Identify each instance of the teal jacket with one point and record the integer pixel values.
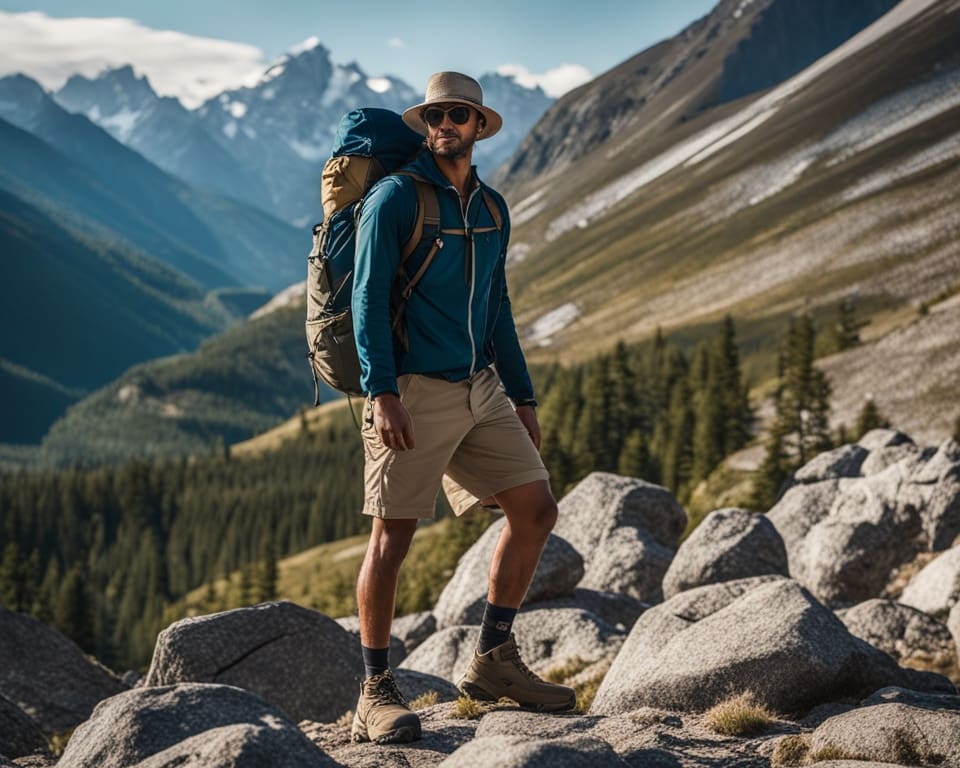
(458, 318)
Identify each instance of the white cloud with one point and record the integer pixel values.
(188, 67)
(396, 42)
(555, 82)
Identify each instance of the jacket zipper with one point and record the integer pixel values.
(473, 279)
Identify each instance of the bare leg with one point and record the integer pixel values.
(377, 582)
(531, 513)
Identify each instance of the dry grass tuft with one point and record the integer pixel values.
(830, 752)
(790, 751)
(58, 742)
(346, 720)
(738, 716)
(425, 699)
(466, 708)
(587, 691)
(563, 672)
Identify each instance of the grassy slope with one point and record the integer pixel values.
(687, 248)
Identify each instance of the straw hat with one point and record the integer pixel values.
(453, 88)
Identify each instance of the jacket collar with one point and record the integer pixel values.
(424, 165)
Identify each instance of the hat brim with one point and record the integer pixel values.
(494, 122)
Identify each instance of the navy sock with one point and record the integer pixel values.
(375, 660)
(495, 627)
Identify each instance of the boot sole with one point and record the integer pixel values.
(401, 735)
(477, 693)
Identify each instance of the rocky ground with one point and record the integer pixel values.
(762, 640)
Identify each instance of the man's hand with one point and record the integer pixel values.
(393, 422)
(528, 417)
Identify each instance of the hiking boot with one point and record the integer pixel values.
(382, 714)
(500, 672)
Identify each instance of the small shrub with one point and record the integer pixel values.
(790, 751)
(424, 700)
(738, 716)
(470, 709)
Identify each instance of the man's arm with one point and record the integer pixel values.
(511, 365)
(384, 224)
(375, 266)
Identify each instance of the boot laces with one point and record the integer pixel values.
(385, 691)
(513, 656)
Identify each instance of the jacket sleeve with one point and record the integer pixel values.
(380, 232)
(511, 365)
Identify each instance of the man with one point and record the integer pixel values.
(435, 406)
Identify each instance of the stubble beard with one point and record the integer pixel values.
(452, 150)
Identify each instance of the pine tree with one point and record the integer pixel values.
(803, 395)
(869, 418)
(773, 471)
(847, 330)
(634, 460)
(12, 586)
(73, 613)
(801, 426)
(678, 453)
(266, 576)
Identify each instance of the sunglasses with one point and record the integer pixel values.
(433, 116)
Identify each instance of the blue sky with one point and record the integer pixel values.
(402, 39)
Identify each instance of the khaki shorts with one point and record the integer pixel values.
(467, 435)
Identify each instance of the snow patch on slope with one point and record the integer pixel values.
(550, 324)
(121, 124)
(944, 151)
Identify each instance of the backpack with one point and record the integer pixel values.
(370, 143)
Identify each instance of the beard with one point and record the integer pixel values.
(458, 147)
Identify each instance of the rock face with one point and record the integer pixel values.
(855, 513)
(19, 735)
(909, 635)
(572, 751)
(775, 640)
(620, 611)
(728, 544)
(625, 529)
(462, 600)
(546, 637)
(414, 628)
(47, 675)
(939, 483)
(936, 588)
(297, 659)
(893, 732)
(208, 726)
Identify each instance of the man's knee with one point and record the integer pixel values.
(532, 509)
(545, 515)
(390, 539)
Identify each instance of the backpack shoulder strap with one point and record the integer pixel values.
(428, 213)
(493, 207)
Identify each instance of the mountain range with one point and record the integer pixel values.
(267, 143)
